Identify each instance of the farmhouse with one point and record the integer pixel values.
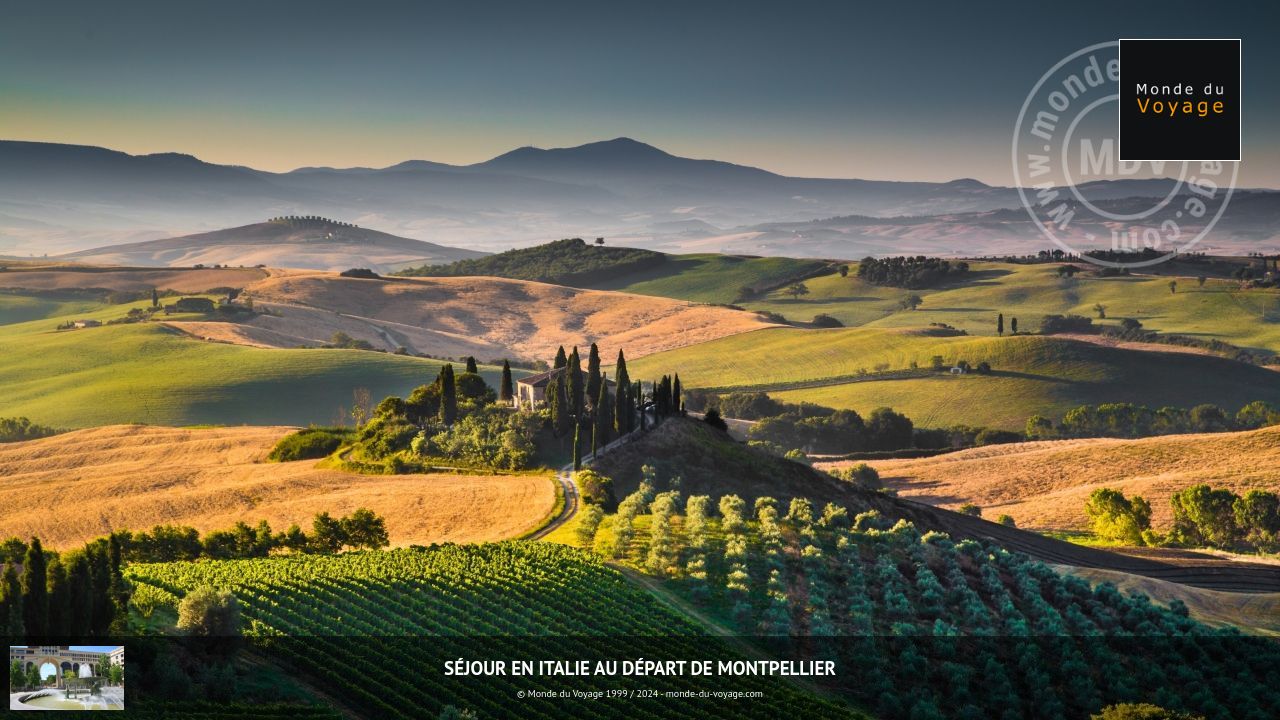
(191, 304)
(531, 390)
(88, 323)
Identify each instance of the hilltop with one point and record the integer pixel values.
(312, 243)
(210, 478)
(1045, 484)
(563, 262)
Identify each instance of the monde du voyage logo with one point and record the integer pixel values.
(1163, 114)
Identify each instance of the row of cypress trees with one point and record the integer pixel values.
(79, 594)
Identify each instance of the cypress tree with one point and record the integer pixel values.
(102, 605)
(35, 591)
(677, 400)
(1000, 324)
(604, 419)
(59, 597)
(471, 365)
(558, 405)
(505, 390)
(637, 403)
(644, 417)
(593, 373)
(561, 361)
(155, 298)
(11, 602)
(448, 395)
(1013, 326)
(577, 446)
(576, 386)
(622, 407)
(80, 586)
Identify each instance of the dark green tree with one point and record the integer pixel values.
(35, 591)
(1013, 326)
(155, 298)
(561, 360)
(448, 395)
(593, 373)
(603, 418)
(11, 603)
(505, 390)
(577, 446)
(575, 385)
(1000, 324)
(102, 605)
(677, 397)
(623, 403)
(80, 586)
(59, 597)
(471, 365)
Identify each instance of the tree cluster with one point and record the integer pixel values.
(910, 272)
(80, 593)
(362, 529)
(1126, 420)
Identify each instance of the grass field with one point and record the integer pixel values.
(1249, 318)
(1044, 485)
(154, 374)
(71, 488)
(711, 278)
(24, 308)
(1031, 374)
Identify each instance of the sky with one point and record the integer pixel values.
(899, 91)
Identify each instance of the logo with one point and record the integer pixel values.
(1082, 196)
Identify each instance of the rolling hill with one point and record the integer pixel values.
(487, 317)
(1031, 374)
(311, 244)
(1044, 485)
(80, 485)
(152, 373)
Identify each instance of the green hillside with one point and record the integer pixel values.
(23, 308)
(1248, 318)
(1031, 374)
(711, 278)
(375, 629)
(150, 373)
(564, 262)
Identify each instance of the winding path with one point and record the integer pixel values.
(565, 478)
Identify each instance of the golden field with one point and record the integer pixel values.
(73, 487)
(1044, 485)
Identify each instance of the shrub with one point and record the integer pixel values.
(712, 418)
(823, 320)
(1051, 324)
(209, 612)
(309, 444)
(594, 488)
(970, 509)
(1115, 517)
(992, 436)
(1006, 520)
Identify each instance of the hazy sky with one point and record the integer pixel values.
(877, 90)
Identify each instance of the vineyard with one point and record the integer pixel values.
(375, 629)
(924, 627)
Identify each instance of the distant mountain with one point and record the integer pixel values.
(65, 198)
(316, 244)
